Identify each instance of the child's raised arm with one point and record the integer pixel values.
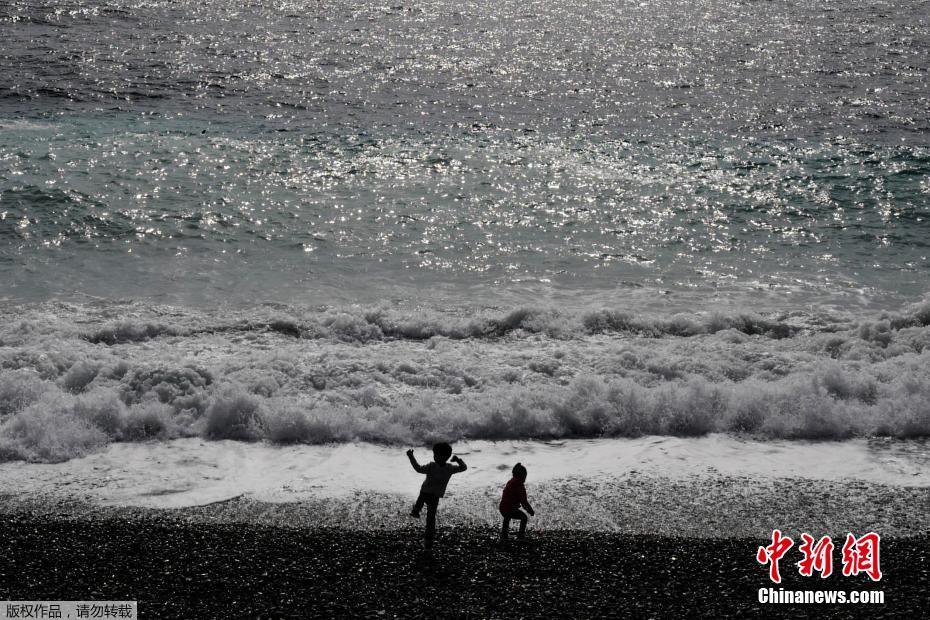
(413, 461)
(462, 465)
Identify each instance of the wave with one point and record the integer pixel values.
(74, 378)
(383, 325)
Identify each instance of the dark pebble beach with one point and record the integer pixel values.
(180, 569)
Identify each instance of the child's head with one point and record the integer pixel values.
(519, 472)
(441, 452)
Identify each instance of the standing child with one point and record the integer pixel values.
(513, 498)
(437, 477)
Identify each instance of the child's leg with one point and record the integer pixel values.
(520, 516)
(418, 505)
(431, 504)
(505, 529)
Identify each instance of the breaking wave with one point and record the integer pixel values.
(74, 378)
(380, 325)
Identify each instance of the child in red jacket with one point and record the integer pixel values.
(513, 498)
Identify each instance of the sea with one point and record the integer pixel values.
(399, 222)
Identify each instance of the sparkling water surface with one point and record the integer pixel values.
(670, 152)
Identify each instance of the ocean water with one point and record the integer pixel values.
(398, 222)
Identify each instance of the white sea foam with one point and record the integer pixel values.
(74, 378)
(713, 486)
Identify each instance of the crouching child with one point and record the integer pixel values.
(513, 498)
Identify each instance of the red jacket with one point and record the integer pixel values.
(514, 496)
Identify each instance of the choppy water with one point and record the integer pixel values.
(205, 151)
(462, 160)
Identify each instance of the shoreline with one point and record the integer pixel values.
(713, 487)
(175, 568)
(699, 506)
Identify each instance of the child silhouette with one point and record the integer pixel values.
(513, 498)
(437, 477)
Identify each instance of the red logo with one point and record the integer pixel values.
(817, 557)
(773, 553)
(860, 555)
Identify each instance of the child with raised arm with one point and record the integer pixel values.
(513, 498)
(437, 477)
